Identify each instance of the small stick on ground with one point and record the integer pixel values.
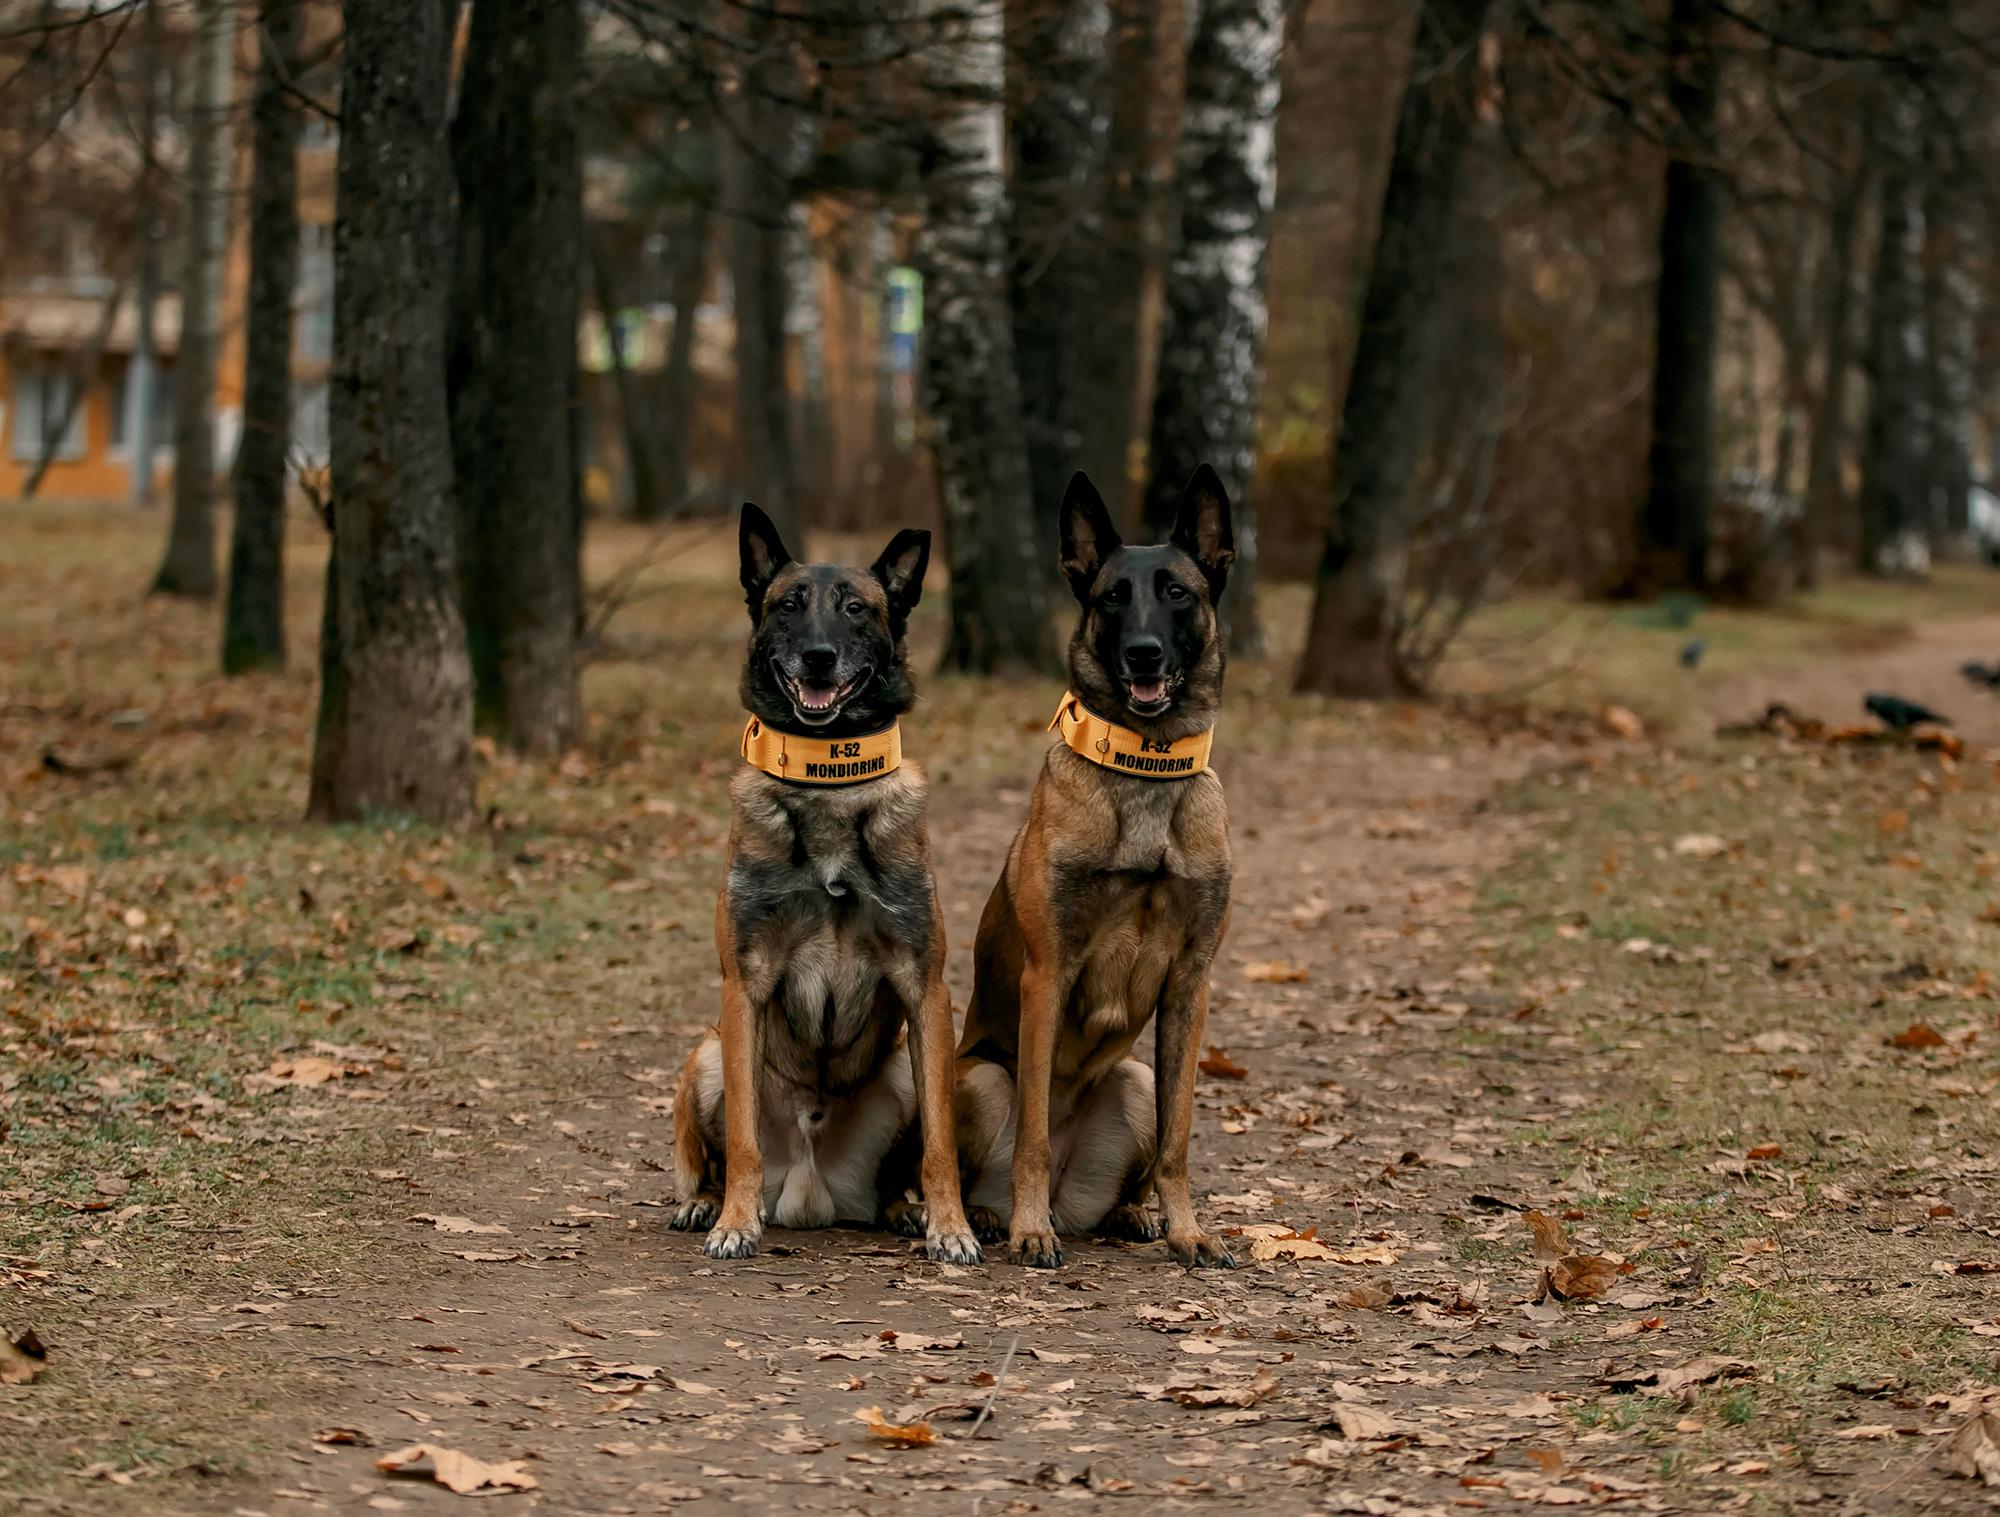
(998, 1380)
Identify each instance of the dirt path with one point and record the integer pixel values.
(522, 1299)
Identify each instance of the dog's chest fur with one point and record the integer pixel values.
(831, 907)
(1142, 881)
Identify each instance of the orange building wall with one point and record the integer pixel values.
(98, 475)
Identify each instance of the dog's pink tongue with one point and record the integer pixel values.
(1146, 691)
(814, 698)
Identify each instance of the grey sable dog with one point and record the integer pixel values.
(1110, 911)
(798, 1107)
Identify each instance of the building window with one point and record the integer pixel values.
(41, 398)
(163, 409)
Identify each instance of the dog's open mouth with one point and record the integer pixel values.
(1151, 694)
(817, 703)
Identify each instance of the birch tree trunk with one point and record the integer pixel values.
(1895, 464)
(1060, 133)
(999, 608)
(510, 362)
(1211, 365)
(1350, 641)
(253, 634)
(189, 565)
(1673, 519)
(395, 720)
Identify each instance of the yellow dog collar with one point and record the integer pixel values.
(1090, 735)
(823, 760)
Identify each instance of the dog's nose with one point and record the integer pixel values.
(1145, 654)
(819, 659)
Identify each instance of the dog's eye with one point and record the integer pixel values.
(857, 608)
(1177, 593)
(792, 602)
(1118, 594)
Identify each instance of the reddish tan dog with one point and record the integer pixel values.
(1111, 908)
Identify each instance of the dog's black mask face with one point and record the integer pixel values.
(1147, 645)
(826, 647)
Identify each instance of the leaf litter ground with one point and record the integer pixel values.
(1569, 1166)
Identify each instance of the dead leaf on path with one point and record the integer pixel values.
(22, 1357)
(583, 1329)
(1870, 1431)
(1620, 722)
(1964, 1267)
(1672, 1382)
(1364, 1424)
(341, 1435)
(1260, 1387)
(1700, 845)
(917, 1343)
(485, 1256)
(1580, 1277)
(1370, 1297)
(901, 1435)
(460, 1224)
(1918, 1035)
(1551, 1242)
(1275, 972)
(1766, 1151)
(1974, 1450)
(1220, 1065)
(306, 1070)
(456, 1472)
(1550, 1461)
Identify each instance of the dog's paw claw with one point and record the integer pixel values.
(906, 1218)
(1037, 1250)
(953, 1248)
(731, 1243)
(1133, 1223)
(987, 1224)
(1201, 1252)
(694, 1216)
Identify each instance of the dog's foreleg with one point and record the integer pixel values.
(947, 1236)
(1031, 1235)
(737, 1231)
(695, 1169)
(1181, 1023)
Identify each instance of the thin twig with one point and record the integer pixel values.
(998, 1381)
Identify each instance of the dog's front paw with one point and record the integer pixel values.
(1200, 1252)
(695, 1216)
(908, 1219)
(1036, 1247)
(732, 1242)
(1131, 1222)
(988, 1226)
(958, 1247)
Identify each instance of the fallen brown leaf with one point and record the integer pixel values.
(1918, 1035)
(1551, 1242)
(1974, 1450)
(1766, 1151)
(902, 1435)
(22, 1357)
(1620, 722)
(1364, 1424)
(1275, 972)
(1220, 1065)
(456, 1472)
(1580, 1277)
(1260, 1387)
(460, 1224)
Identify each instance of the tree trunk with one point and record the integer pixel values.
(1129, 197)
(1673, 519)
(641, 466)
(1951, 299)
(999, 606)
(510, 365)
(1350, 641)
(142, 378)
(1895, 465)
(253, 634)
(395, 728)
(677, 392)
(760, 152)
(189, 565)
(812, 441)
(1211, 364)
(1060, 132)
(1826, 487)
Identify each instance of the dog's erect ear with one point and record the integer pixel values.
(901, 571)
(1088, 538)
(763, 554)
(1202, 530)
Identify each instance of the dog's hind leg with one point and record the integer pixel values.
(697, 1164)
(986, 1146)
(1107, 1147)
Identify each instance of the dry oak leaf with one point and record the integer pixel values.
(903, 1435)
(1275, 972)
(1671, 1382)
(459, 1224)
(457, 1472)
(1363, 1424)
(1918, 1035)
(1620, 722)
(1766, 1151)
(307, 1069)
(1260, 1387)
(1580, 1277)
(1220, 1065)
(1550, 1241)
(22, 1357)
(1700, 845)
(1974, 1450)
